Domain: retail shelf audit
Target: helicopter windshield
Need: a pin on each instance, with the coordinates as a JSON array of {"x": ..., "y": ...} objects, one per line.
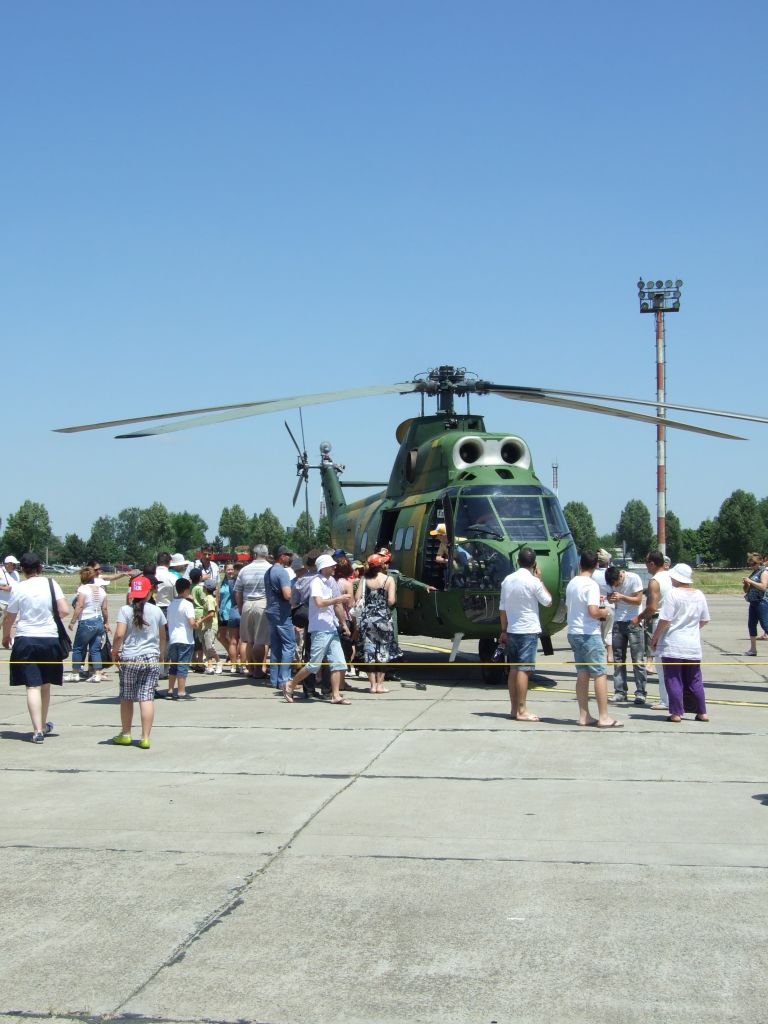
[{"x": 518, "y": 512}]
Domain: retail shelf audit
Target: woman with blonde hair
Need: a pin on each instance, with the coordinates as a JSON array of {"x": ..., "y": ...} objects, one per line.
[{"x": 91, "y": 613}]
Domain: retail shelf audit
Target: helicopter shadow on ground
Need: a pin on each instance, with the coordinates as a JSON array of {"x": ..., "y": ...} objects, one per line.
[{"x": 425, "y": 668}]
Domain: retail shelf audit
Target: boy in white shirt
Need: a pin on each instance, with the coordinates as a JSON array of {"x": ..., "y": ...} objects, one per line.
[{"x": 181, "y": 623}]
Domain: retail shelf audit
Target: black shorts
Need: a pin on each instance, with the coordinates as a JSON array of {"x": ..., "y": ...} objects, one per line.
[{"x": 36, "y": 661}]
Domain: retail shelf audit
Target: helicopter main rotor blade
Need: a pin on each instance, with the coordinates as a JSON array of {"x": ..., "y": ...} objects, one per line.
[
  {"x": 701, "y": 410},
  {"x": 545, "y": 399},
  {"x": 295, "y": 442},
  {"x": 221, "y": 413}
]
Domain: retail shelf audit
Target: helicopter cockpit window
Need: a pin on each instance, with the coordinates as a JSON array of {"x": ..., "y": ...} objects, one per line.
[
  {"x": 521, "y": 516},
  {"x": 408, "y": 539},
  {"x": 399, "y": 539},
  {"x": 474, "y": 517}
]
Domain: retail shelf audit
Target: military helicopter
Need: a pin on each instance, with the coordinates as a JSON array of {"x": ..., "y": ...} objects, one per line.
[{"x": 460, "y": 501}]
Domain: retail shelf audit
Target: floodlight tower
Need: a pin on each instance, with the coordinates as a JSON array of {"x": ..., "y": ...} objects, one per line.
[{"x": 660, "y": 297}]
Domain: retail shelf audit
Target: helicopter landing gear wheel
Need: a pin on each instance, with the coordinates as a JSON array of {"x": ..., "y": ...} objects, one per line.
[{"x": 493, "y": 675}]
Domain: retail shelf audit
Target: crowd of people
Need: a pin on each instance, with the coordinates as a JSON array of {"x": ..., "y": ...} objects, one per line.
[
  {"x": 332, "y": 616},
  {"x": 673, "y": 611}
]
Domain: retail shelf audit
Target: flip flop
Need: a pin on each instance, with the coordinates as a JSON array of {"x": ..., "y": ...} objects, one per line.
[
  {"x": 658, "y": 707},
  {"x": 288, "y": 693},
  {"x": 615, "y": 724},
  {"x": 674, "y": 718},
  {"x": 342, "y": 701},
  {"x": 702, "y": 718},
  {"x": 527, "y": 718},
  {"x": 586, "y": 725}
]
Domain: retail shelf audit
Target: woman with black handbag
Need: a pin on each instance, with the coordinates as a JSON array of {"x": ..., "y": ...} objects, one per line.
[{"x": 41, "y": 642}]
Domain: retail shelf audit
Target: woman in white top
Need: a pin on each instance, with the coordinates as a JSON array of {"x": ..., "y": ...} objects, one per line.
[
  {"x": 677, "y": 638},
  {"x": 36, "y": 661},
  {"x": 91, "y": 613}
]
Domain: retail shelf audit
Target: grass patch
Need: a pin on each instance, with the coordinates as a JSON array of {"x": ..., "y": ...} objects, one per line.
[{"x": 719, "y": 581}]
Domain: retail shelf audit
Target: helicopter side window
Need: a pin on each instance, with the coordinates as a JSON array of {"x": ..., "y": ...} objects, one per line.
[
  {"x": 522, "y": 517},
  {"x": 364, "y": 541},
  {"x": 399, "y": 539},
  {"x": 558, "y": 527},
  {"x": 408, "y": 539}
]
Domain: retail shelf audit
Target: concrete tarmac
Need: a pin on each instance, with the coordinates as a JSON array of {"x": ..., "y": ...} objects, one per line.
[{"x": 412, "y": 857}]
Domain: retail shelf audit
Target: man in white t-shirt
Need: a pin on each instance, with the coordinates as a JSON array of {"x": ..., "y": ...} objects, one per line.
[
  {"x": 586, "y": 612},
  {"x": 626, "y": 595},
  {"x": 326, "y": 617},
  {"x": 521, "y": 594}
]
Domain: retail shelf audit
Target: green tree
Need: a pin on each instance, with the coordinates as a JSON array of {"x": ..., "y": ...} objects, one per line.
[
  {"x": 323, "y": 533},
  {"x": 762, "y": 508},
  {"x": 234, "y": 525},
  {"x": 738, "y": 528},
  {"x": 127, "y": 534},
  {"x": 155, "y": 532},
  {"x": 706, "y": 541},
  {"x": 267, "y": 529},
  {"x": 188, "y": 530},
  {"x": 689, "y": 547},
  {"x": 28, "y": 529},
  {"x": 103, "y": 542},
  {"x": 74, "y": 550},
  {"x": 581, "y": 525},
  {"x": 303, "y": 536},
  {"x": 674, "y": 537},
  {"x": 634, "y": 529}
]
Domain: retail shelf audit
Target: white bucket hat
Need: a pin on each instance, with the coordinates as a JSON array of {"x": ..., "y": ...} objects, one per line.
[
  {"x": 324, "y": 562},
  {"x": 681, "y": 573}
]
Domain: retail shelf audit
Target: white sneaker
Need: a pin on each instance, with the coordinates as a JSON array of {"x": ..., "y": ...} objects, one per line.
[
  {"x": 71, "y": 677},
  {"x": 96, "y": 677},
  {"x": 218, "y": 668},
  {"x": 210, "y": 671}
]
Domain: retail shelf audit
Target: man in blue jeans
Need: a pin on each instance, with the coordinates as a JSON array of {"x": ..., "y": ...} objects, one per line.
[
  {"x": 521, "y": 594},
  {"x": 625, "y": 593},
  {"x": 282, "y": 636}
]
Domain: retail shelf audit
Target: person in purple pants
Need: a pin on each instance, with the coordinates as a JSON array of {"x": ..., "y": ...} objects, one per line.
[{"x": 677, "y": 638}]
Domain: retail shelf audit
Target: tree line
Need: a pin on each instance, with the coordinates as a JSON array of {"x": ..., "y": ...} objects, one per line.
[
  {"x": 135, "y": 535},
  {"x": 741, "y": 525}
]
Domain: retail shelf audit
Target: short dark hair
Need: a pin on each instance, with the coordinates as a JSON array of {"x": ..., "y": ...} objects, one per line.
[
  {"x": 612, "y": 574},
  {"x": 526, "y": 557},
  {"x": 195, "y": 574},
  {"x": 588, "y": 560},
  {"x": 163, "y": 558},
  {"x": 30, "y": 562},
  {"x": 182, "y": 585},
  {"x": 655, "y": 558}
]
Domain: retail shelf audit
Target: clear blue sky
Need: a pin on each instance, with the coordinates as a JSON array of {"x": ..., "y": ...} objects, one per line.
[{"x": 203, "y": 203}]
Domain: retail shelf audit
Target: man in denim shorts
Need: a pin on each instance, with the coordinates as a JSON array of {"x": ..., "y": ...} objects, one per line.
[
  {"x": 326, "y": 618},
  {"x": 521, "y": 594},
  {"x": 586, "y": 612}
]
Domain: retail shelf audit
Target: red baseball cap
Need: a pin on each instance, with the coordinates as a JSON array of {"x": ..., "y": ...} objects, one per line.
[{"x": 140, "y": 588}]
